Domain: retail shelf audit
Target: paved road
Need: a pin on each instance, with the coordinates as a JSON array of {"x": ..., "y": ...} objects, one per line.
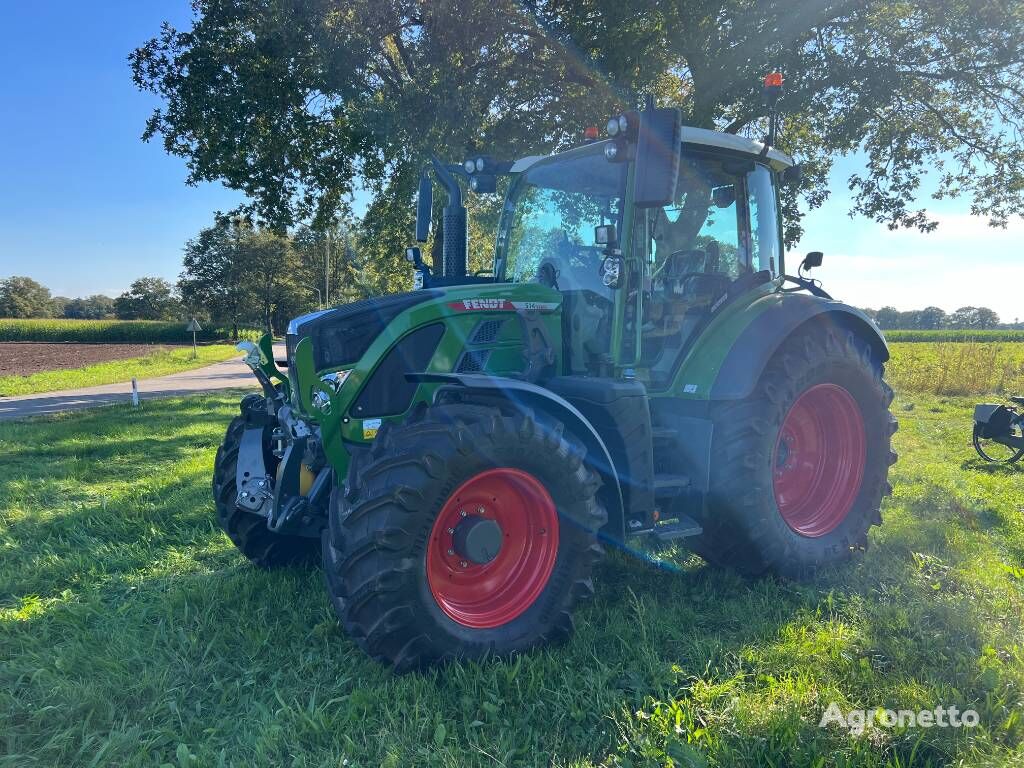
[{"x": 231, "y": 374}]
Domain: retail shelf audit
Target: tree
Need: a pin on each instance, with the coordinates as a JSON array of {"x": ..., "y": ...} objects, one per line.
[
  {"x": 888, "y": 318},
  {"x": 931, "y": 318},
  {"x": 214, "y": 276},
  {"x": 96, "y": 307},
  {"x": 286, "y": 101},
  {"x": 986, "y": 319},
  {"x": 148, "y": 298},
  {"x": 24, "y": 297}
]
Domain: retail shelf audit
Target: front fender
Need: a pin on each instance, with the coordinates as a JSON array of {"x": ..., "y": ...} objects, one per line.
[
  {"x": 755, "y": 346},
  {"x": 526, "y": 395}
]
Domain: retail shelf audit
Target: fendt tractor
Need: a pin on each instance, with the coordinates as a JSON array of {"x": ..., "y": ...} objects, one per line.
[{"x": 637, "y": 363}]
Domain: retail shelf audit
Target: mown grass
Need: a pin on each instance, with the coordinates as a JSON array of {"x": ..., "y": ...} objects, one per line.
[
  {"x": 957, "y": 368},
  {"x": 113, "y": 331},
  {"x": 951, "y": 334},
  {"x": 132, "y": 633},
  {"x": 159, "y": 363}
]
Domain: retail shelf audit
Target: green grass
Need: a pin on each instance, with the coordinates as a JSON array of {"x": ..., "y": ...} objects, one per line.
[
  {"x": 951, "y": 334},
  {"x": 113, "y": 331},
  {"x": 132, "y": 633},
  {"x": 159, "y": 363}
]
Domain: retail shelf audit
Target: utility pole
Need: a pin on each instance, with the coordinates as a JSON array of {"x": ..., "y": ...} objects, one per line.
[{"x": 327, "y": 269}]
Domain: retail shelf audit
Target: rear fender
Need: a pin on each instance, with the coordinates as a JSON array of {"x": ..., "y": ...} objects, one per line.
[
  {"x": 757, "y": 344},
  {"x": 524, "y": 395}
]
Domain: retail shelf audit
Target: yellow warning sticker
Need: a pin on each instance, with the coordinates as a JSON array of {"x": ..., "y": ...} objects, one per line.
[{"x": 370, "y": 427}]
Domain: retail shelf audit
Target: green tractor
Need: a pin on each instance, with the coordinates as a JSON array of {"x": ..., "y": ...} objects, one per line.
[{"x": 636, "y": 364}]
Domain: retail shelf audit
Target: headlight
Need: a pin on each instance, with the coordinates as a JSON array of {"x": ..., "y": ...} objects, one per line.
[
  {"x": 613, "y": 127},
  {"x": 479, "y": 165},
  {"x": 321, "y": 401},
  {"x": 335, "y": 380},
  {"x": 469, "y": 165},
  {"x": 623, "y": 123},
  {"x": 611, "y": 151}
]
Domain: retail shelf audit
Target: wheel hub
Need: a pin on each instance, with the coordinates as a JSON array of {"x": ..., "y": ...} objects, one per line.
[
  {"x": 492, "y": 548},
  {"x": 477, "y": 539},
  {"x": 819, "y": 458}
]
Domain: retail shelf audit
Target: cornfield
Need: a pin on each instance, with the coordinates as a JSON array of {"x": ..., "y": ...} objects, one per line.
[
  {"x": 112, "y": 331},
  {"x": 957, "y": 368},
  {"x": 950, "y": 334}
]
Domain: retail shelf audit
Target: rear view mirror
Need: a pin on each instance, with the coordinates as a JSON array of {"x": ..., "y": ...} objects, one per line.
[
  {"x": 723, "y": 197},
  {"x": 657, "y": 157},
  {"x": 812, "y": 260},
  {"x": 604, "y": 234},
  {"x": 792, "y": 176},
  {"x": 424, "y": 209}
]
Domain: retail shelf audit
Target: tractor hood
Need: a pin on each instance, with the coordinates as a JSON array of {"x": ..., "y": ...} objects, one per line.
[{"x": 342, "y": 335}]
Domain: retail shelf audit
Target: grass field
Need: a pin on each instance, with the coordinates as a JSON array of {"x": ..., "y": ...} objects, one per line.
[
  {"x": 112, "y": 331},
  {"x": 159, "y": 363},
  {"x": 132, "y": 633}
]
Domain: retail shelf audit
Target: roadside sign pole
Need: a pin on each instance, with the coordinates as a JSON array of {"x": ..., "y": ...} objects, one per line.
[{"x": 194, "y": 327}]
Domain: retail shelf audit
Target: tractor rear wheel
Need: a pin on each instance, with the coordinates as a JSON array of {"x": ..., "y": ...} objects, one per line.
[
  {"x": 465, "y": 532},
  {"x": 799, "y": 469},
  {"x": 247, "y": 531}
]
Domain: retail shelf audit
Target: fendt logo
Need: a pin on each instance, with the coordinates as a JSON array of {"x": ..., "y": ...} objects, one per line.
[
  {"x": 478, "y": 304},
  {"x": 489, "y": 304}
]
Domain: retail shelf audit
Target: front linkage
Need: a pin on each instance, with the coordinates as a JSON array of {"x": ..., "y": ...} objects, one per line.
[{"x": 281, "y": 474}]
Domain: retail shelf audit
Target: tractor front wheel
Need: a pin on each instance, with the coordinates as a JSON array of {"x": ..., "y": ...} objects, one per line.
[
  {"x": 466, "y": 532},
  {"x": 799, "y": 469}
]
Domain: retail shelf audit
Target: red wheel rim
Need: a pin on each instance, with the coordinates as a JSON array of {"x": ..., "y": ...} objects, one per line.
[
  {"x": 818, "y": 461},
  {"x": 489, "y": 595}
]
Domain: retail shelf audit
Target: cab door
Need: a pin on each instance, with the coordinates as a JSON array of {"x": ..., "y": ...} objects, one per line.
[{"x": 722, "y": 227}]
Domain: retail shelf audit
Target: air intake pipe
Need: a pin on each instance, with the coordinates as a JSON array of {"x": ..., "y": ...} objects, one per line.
[{"x": 454, "y": 224}]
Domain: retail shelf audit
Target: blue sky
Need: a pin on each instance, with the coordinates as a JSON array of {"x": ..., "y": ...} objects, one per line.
[{"x": 86, "y": 206}]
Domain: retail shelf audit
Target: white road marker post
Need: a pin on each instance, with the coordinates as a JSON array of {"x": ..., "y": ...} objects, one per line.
[{"x": 135, "y": 393}]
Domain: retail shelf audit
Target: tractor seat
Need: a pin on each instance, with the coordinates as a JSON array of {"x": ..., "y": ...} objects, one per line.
[{"x": 1018, "y": 399}]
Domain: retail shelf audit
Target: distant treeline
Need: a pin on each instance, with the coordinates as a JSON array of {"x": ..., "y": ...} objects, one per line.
[
  {"x": 937, "y": 319},
  {"x": 148, "y": 298}
]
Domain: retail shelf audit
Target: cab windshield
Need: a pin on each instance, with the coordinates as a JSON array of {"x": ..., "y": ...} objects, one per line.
[{"x": 550, "y": 215}]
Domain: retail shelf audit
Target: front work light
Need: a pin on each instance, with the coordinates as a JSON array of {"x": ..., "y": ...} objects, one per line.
[{"x": 611, "y": 151}]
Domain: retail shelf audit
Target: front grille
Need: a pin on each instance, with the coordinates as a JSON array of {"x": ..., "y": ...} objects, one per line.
[
  {"x": 473, "y": 362},
  {"x": 486, "y": 331}
]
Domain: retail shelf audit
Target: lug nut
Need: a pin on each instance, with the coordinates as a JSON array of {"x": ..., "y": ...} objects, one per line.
[
  {"x": 451, "y": 551},
  {"x": 463, "y": 564},
  {"x": 480, "y": 510},
  {"x": 451, "y": 530},
  {"x": 462, "y": 512}
]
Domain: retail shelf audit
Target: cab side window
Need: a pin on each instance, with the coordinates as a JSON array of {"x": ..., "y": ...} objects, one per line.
[{"x": 764, "y": 220}]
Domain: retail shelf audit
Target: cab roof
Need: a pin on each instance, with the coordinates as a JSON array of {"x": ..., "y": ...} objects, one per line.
[{"x": 702, "y": 137}]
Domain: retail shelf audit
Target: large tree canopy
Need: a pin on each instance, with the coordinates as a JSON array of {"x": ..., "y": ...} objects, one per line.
[{"x": 290, "y": 100}]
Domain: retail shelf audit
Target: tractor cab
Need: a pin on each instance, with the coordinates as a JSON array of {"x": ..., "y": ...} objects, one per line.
[{"x": 719, "y": 235}]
